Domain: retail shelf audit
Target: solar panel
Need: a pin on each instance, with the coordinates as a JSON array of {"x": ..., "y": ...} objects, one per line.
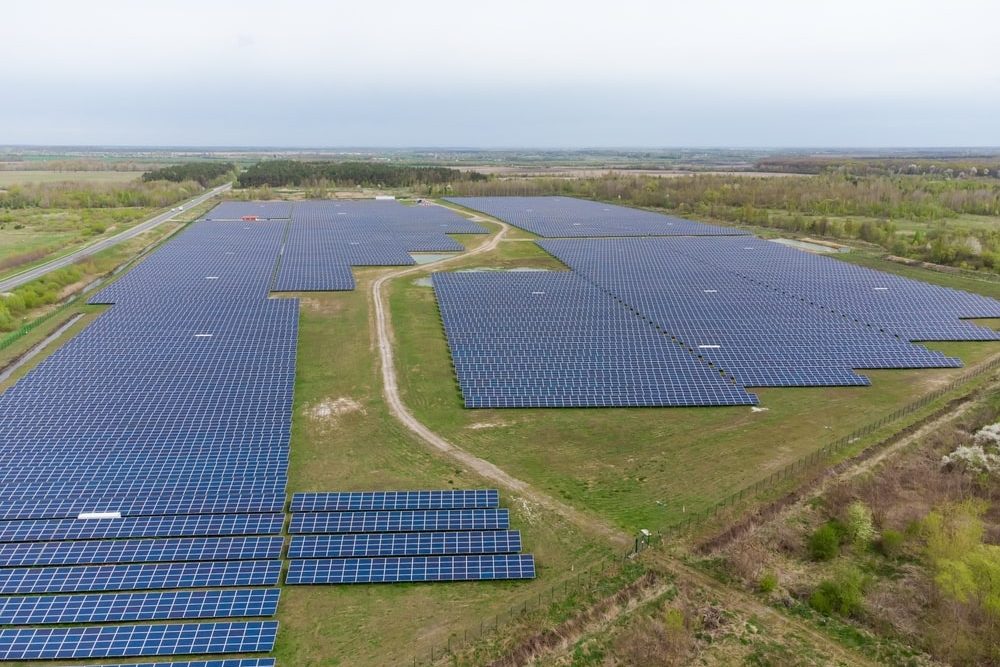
[
  {"x": 404, "y": 544},
  {"x": 60, "y": 507},
  {"x": 347, "y": 501},
  {"x": 758, "y": 336},
  {"x": 119, "y": 607},
  {"x": 552, "y": 339},
  {"x": 136, "y": 640},
  {"x": 426, "y": 568},
  {"x": 237, "y": 662},
  {"x": 399, "y": 521},
  {"x": 89, "y": 578},
  {"x": 157, "y": 526},
  {"x": 139, "y": 551},
  {"x": 570, "y": 217}
]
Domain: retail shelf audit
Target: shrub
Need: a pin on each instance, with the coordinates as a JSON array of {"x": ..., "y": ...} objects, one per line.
[
  {"x": 859, "y": 527},
  {"x": 768, "y": 582},
  {"x": 824, "y": 544},
  {"x": 891, "y": 543},
  {"x": 843, "y": 595}
]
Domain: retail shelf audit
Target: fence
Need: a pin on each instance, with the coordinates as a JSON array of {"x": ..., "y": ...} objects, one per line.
[{"x": 562, "y": 591}]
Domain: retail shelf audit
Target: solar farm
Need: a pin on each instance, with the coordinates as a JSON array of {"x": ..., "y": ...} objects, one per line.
[{"x": 148, "y": 508}]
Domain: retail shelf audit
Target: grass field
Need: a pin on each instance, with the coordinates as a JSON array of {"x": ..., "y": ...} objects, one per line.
[
  {"x": 343, "y": 438},
  {"x": 641, "y": 468},
  {"x": 31, "y": 236},
  {"x": 8, "y": 178}
]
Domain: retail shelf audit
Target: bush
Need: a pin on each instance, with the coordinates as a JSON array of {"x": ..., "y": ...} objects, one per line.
[
  {"x": 768, "y": 582},
  {"x": 859, "y": 527},
  {"x": 843, "y": 595},
  {"x": 824, "y": 544},
  {"x": 891, "y": 543}
]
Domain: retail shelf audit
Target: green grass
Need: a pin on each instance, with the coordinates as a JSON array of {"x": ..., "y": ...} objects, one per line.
[
  {"x": 32, "y": 236},
  {"x": 638, "y": 467},
  {"x": 8, "y": 178},
  {"x": 363, "y": 447}
]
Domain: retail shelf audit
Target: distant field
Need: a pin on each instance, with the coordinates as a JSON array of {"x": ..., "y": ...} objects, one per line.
[
  {"x": 641, "y": 468},
  {"x": 20, "y": 177}
]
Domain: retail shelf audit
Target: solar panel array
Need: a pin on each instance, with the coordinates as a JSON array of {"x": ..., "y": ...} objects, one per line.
[
  {"x": 397, "y": 536},
  {"x": 263, "y": 210},
  {"x": 552, "y": 339},
  {"x": 148, "y": 455},
  {"x": 909, "y": 309},
  {"x": 567, "y": 217},
  {"x": 327, "y": 238},
  {"x": 693, "y": 319},
  {"x": 762, "y": 337}
]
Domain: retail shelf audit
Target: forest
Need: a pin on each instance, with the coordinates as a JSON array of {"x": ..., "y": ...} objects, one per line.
[
  {"x": 204, "y": 173},
  {"x": 371, "y": 174}
]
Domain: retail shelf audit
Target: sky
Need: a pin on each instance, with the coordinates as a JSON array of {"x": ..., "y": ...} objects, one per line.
[{"x": 510, "y": 73}]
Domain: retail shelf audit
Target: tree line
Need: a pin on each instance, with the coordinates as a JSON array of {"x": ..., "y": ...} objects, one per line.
[
  {"x": 203, "y": 173},
  {"x": 277, "y": 173}
]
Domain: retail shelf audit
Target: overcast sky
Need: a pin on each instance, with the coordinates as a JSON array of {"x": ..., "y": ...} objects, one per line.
[{"x": 505, "y": 73}]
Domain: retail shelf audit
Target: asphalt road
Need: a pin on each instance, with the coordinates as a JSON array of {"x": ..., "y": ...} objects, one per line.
[{"x": 19, "y": 279}]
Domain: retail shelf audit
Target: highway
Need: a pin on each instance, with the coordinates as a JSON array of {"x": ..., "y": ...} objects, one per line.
[{"x": 19, "y": 279}]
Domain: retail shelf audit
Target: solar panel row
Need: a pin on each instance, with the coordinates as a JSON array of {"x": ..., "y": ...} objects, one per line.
[
  {"x": 119, "y": 607},
  {"x": 404, "y": 544},
  {"x": 398, "y": 521},
  {"x": 231, "y": 662},
  {"x": 137, "y": 577},
  {"x": 136, "y": 640},
  {"x": 85, "y": 552},
  {"x": 423, "y": 568},
  {"x": 234, "y": 662},
  {"x": 355, "y": 501}
]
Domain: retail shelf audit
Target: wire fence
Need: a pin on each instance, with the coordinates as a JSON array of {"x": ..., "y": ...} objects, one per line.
[{"x": 608, "y": 567}]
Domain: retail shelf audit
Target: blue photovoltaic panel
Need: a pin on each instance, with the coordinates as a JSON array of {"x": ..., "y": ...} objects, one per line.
[
  {"x": 86, "y": 552},
  {"x": 236, "y": 662},
  {"x": 157, "y": 526},
  {"x": 432, "y": 568},
  {"x": 401, "y": 521},
  {"x": 264, "y": 210},
  {"x": 404, "y": 544},
  {"x": 356, "y": 501},
  {"x": 129, "y": 607},
  {"x": 175, "y": 401},
  {"x": 125, "y": 641},
  {"x": 57, "y": 507},
  {"x": 569, "y": 217},
  {"x": 327, "y": 238},
  {"x": 552, "y": 339},
  {"x": 759, "y": 336},
  {"x": 92, "y": 578}
]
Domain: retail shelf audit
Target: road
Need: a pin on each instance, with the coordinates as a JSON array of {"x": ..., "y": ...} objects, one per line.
[{"x": 7, "y": 284}]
